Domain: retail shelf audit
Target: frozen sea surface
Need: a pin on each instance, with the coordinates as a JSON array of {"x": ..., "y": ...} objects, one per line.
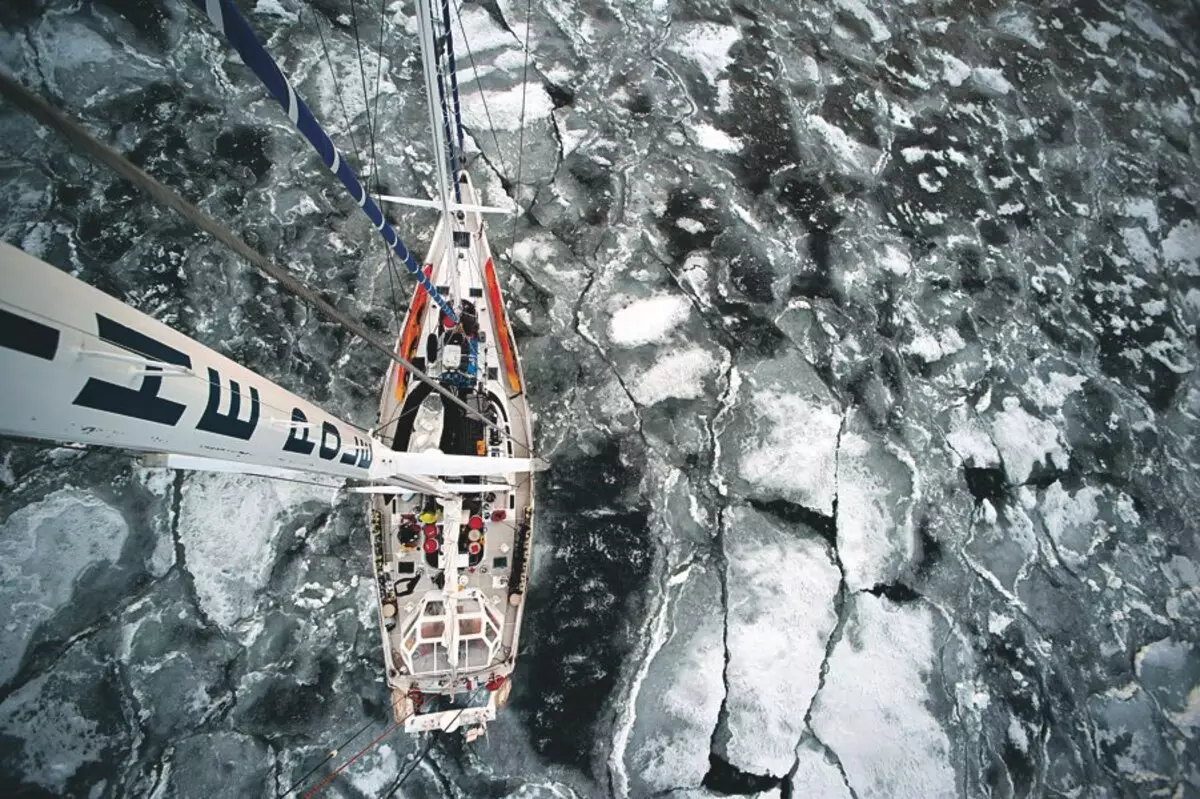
[{"x": 863, "y": 342}]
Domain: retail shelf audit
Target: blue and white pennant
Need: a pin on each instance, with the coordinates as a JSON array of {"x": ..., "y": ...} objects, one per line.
[{"x": 230, "y": 22}]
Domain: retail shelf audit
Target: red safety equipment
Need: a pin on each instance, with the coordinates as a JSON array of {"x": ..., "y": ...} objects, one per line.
[
  {"x": 431, "y": 546},
  {"x": 475, "y": 523},
  {"x": 499, "y": 515},
  {"x": 430, "y": 530}
]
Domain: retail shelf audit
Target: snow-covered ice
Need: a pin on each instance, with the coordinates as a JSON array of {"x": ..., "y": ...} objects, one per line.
[
  {"x": 874, "y": 711},
  {"x": 781, "y": 583}
]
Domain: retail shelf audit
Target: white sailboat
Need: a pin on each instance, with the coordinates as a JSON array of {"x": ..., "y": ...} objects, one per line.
[{"x": 447, "y": 467}]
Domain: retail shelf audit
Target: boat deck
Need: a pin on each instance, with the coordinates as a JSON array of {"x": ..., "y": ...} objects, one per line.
[{"x": 461, "y": 559}]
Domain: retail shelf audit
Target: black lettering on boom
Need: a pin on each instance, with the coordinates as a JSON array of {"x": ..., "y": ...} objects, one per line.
[
  {"x": 228, "y": 424},
  {"x": 297, "y": 440},
  {"x": 144, "y": 402}
]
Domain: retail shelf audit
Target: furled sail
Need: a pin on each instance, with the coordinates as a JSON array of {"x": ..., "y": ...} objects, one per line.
[{"x": 80, "y": 366}]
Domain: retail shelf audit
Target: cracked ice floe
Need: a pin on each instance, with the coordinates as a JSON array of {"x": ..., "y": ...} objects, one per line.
[
  {"x": 782, "y": 435},
  {"x": 876, "y": 485},
  {"x": 781, "y": 585},
  {"x": 648, "y": 321},
  {"x": 1024, "y": 440},
  {"x": 228, "y": 524},
  {"x": 1128, "y": 736},
  {"x": 816, "y": 775},
  {"x": 680, "y": 696},
  {"x": 970, "y": 440},
  {"x": 44, "y": 548},
  {"x": 506, "y": 107},
  {"x": 680, "y": 375},
  {"x": 873, "y": 711}
]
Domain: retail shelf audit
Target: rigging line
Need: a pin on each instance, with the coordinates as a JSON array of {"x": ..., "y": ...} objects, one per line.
[
  {"x": 482, "y": 94},
  {"x": 451, "y": 149},
  {"x": 512, "y": 241},
  {"x": 333, "y": 752},
  {"x": 54, "y": 119},
  {"x": 428, "y": 745},
  {"x": 337, "y": 86},
  {"x": 366, "y": 106},
  {"x": 375, "y": 113},
  {"x": 330, "y": 777}
]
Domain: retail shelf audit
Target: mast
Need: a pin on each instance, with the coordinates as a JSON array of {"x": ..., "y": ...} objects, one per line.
[
  {"x": 81, "y": 366},
  {"x": 432, "y": 90},
  {"x": 230, "y": 22}
]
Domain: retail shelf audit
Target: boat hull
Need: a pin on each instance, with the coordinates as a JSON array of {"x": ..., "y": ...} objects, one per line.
[{"x": 451, "y": 572}]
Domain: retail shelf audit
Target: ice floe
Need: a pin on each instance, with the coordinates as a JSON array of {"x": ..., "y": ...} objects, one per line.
[
  {"x": 227, "y": 524},
  {"x": 44, "y": 548},
  {"x": 1025, "y": 440},
  {"x": 681, "y": 693},
  {"x": 682, "y": 375},
  {"x": 874, "y": 710},
  {"x": 876, "y": 489},
  {"x": 780, "y": 582},
  {"x": 649, "y": 320}
]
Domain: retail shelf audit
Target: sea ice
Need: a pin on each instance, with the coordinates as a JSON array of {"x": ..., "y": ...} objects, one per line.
[
  {"x": 816, "y": 776},
  {"x": 783, "y": 434},
  {"x": 680, "y": 696},
  {"x": 781, "y": 583},
  {"x": 44, "y": 548},
  {"x": 648, "y": 321},
  {"x": 707, "y": 45},
  {"x": 228, "y": 524},
  {"x": 1025, "y": 440},
  {"x": 677, "y": 374},
  {"x": 875, "y": 486},
  {"x": 874, "y": 710}
]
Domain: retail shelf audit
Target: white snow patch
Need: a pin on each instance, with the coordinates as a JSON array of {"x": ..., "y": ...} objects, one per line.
[
  {"x": 677, "y": 374},
  {"x": 714, "y": 139},
  {"x": 971, "y": 442},
  {"x": 851, "y": 153},
  {"x": 1144, "y": 208},
  {"x": 991, "y": 80},
  {"x": 781, "y": 589},
  {"x": 954, "y": 71},
  {"x": 57, "y": 738},
  {"x": 707, "y": 45},
  {"x": 875, "y": 536},
  {"x": 798, "y": 457},
  {"x": 874, "y": 709},
  {"x": 1139, "y": 247},
  {"x": 1024, "y": 440},
  {"x": 932, "y": 348},
  {"x": 1069, "y": 520},
  {"x": 1181, "y": 247},
  {"x": 648, "y": 321},
  {"x": 1054, "y": 390},
  {"x": 505, "y": 107},
  {"x": 1101, "y": 33}
]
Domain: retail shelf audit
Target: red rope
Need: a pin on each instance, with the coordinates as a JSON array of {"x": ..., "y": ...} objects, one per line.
[{"x": 317, "y": 788}]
